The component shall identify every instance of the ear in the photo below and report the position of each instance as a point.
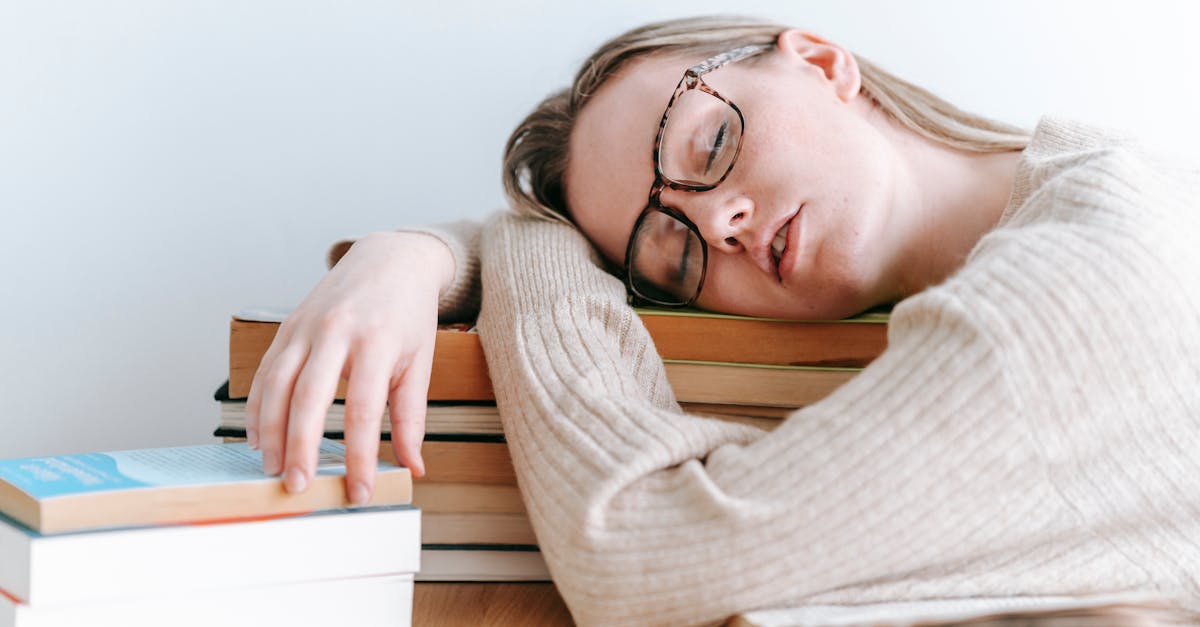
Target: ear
(835, 62)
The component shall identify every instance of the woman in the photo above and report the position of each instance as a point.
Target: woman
(1030, 430)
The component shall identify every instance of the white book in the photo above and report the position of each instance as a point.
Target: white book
(384, 601)
(79, 567)
(482, 563)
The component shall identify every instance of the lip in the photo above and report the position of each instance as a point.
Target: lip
(791, 249)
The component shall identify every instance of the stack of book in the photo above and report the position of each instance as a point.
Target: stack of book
(475, 526)
(199, 536)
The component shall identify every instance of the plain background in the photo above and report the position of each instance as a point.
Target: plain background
(163, 164)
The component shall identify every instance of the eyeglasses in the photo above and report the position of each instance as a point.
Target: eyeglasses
(698, 141)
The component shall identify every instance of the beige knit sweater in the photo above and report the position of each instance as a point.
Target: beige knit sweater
(1033, 427)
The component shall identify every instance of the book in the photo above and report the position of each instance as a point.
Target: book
(467, 498)
(446, 419)
(476, 528)
(695, 335)
(106, 565)
(486, 562)
(382, 601)
(481, 460)
(476, 462)
(440, 419)
(461, 375)
(459, 370)
(173, 485)
(754, 384)
(468, 494)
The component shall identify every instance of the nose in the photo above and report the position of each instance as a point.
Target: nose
(723, 218)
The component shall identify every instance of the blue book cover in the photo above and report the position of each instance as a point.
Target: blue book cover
(63, 475)
(212, 482)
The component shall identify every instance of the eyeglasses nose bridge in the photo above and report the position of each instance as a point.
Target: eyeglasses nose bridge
(656, 192)
(717, 217)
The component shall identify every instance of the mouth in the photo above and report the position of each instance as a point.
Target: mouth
(785, 239)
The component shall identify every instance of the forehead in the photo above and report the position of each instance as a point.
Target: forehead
(610, 163)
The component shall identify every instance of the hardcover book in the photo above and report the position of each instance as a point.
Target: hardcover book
(451, 420)
(810, 358)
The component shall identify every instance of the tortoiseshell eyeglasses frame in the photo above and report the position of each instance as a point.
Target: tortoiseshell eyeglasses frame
(692, 79)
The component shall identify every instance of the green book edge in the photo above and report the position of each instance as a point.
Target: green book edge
(879, 315)
(697, 362)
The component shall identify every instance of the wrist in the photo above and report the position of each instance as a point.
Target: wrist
(420, 250)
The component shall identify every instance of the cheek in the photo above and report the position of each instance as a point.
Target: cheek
(735, 286)
(853, 222)
(835, 285)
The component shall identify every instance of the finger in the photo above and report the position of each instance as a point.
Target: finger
(406, 407)
(366, 395)
(313, 394)
(254, 398)
(278, 381)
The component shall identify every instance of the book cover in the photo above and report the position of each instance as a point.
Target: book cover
(172, 485)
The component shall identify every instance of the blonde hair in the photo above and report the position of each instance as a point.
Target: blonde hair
(535, 157)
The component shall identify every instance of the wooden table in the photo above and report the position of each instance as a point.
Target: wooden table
(490, 604)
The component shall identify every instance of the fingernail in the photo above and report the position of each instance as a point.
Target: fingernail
(418, 468)
(359, 495)
(252, 440)
(270, 462)
(295, 481)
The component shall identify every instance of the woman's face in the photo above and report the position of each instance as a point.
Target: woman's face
(814, 164)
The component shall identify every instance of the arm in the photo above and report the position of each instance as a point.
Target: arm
(459, 300)
(371, 320)
(645, 514)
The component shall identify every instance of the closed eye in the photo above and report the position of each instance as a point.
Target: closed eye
(683, 263)
(718, 143)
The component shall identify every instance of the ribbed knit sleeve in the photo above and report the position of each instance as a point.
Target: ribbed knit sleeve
(1030, 430)
(460, 300)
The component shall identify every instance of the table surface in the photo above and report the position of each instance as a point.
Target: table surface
(487, 604)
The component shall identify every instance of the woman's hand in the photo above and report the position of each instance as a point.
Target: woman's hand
(371, 320)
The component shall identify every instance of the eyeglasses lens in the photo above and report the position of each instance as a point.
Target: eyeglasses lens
(700, 139)
(667, 259)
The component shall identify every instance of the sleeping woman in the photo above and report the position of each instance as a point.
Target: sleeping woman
(1032, 428)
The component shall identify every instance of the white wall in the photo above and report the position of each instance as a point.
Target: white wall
(163, 164)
